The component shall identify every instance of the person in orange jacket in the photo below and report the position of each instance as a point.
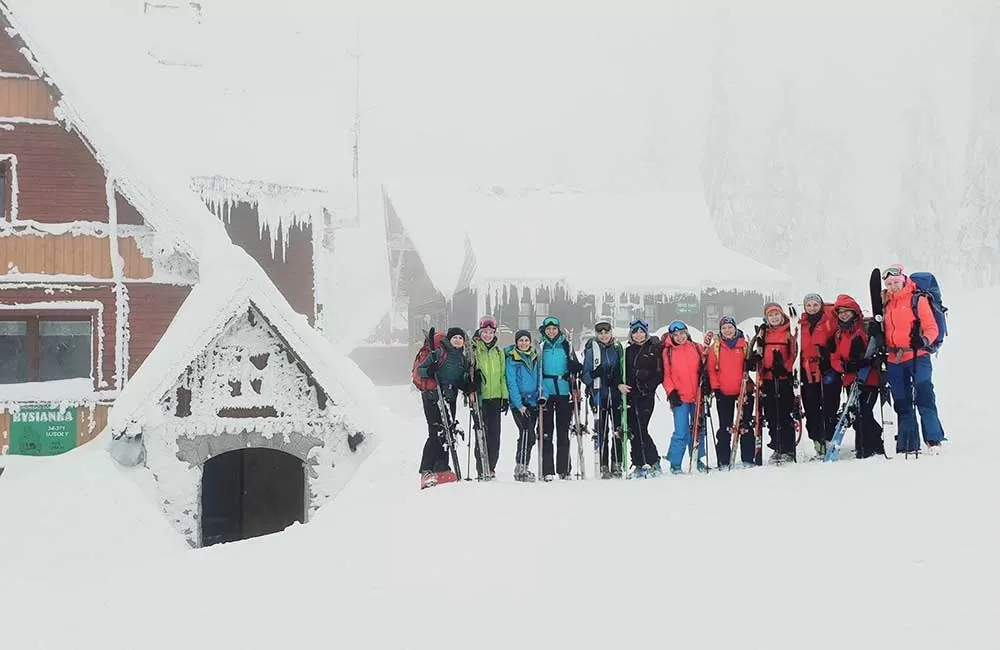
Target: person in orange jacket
(821, 385)
(775, 362)
(908, 366)
(848, 359)
(727, 366)
(683, 361)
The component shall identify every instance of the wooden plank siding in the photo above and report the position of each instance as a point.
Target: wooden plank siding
(90, 421)
(59, 181)
(152, 308)
(20, 97)
(87, 255)
(290, 267)
(11, 59)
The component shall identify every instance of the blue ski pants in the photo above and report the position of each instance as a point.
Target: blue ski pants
(911, 386)
(681, 440)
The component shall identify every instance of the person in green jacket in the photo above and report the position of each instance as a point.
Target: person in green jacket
(490, 388)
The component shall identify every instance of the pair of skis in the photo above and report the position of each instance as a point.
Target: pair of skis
(475, 407)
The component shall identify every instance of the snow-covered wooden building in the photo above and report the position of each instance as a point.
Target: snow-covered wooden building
(578, 255)
(125, 306)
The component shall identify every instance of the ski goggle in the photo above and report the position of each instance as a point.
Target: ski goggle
(676, 326)
(487, 322)
(550, 321)
(891, 272)
(602, 327)
(638, 324)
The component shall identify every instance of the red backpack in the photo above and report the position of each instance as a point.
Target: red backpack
(429, 383)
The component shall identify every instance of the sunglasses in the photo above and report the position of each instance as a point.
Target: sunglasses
(891, 272)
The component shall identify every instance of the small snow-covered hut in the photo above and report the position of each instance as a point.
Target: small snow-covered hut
(579, 255)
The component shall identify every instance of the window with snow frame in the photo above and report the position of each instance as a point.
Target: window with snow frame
(248, 371)
(48, 345)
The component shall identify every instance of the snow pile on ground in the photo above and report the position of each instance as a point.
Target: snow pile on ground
(875, 553)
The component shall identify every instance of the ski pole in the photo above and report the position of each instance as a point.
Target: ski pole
(468, 447)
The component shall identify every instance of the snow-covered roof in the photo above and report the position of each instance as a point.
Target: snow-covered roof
(590, 242)
(232, 283)
(239, 94)
(159, 192)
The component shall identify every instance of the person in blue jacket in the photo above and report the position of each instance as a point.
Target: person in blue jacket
(602, 362)
(522, 389)
(559, 370)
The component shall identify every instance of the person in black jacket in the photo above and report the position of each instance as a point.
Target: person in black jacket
(449, 369)
(602, 374)
(643, 374)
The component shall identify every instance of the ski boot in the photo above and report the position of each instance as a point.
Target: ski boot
(548, 478)
(702, 467)
(523, 475)
(564, 477)
(640, 472)
(616, 472)
(820, 447)
(676, 469)
(605, 473)
(786, 458)
(655, 470)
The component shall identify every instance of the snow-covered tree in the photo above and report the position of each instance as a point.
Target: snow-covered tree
(980, 230)
(924, 216)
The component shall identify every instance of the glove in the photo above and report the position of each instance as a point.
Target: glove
(916, 341)
(830, 377)
(752, 362)
(706, 389)
(718, 395)
(675, 399)
(824, 362)
(778, 368)
(574, 366)
(851, 366)
(504, 406)
(432, 395)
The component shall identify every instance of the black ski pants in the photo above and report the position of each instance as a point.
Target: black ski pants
(526, 427)
(821, 401)
(435, 456)
(557, 415)
(490, 408)
(867, 430)
(607, 424)
(778, 403)
(726, 406)
(642, 449)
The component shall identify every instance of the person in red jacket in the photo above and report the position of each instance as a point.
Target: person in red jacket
(821, 385)
(908, 366)
(848, 359)
(775, 362)
(727, 371)
(683, 360)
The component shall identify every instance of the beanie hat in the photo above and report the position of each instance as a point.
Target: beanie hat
(812, 296)
(773, 306)
(727, 320)
(521, 334)
(487, 322)
(455, 331)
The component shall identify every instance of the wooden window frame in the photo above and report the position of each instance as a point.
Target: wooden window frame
(32, 319)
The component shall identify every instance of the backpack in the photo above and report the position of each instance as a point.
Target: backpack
(927, 286)
(426, 383)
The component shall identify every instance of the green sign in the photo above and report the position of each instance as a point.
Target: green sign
(42, 431)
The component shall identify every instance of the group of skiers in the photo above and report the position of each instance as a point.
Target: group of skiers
(797, 366)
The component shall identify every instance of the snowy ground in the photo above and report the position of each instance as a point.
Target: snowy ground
(894, 554)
